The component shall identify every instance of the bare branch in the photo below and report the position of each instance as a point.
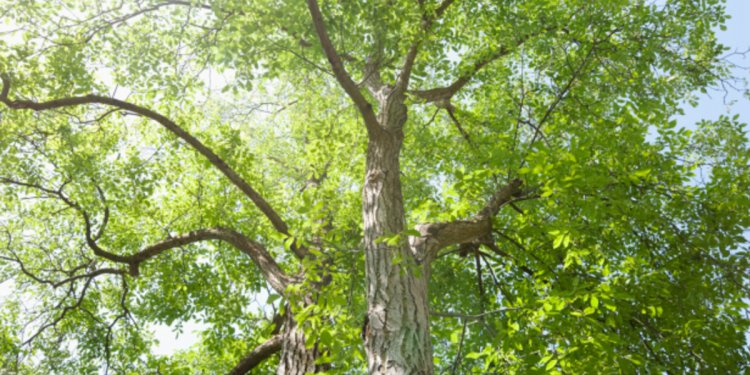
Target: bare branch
(168, 124)
(344, 79)
(258, 355)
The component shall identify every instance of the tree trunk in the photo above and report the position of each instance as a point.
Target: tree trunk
(296, 358)
(397, 336)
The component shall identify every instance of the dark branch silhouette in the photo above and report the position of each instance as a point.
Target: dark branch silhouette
(258, 355)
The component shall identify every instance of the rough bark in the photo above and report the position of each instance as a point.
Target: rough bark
(397, 339)
(296, 357)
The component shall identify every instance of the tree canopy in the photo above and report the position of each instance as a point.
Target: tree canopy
(388, 186)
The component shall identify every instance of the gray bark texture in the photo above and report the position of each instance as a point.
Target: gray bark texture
(296, 358)
(397, 338)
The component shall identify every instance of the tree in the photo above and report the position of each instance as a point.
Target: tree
(298, 176)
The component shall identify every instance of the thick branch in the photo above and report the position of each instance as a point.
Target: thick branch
(258, 355)
(170, 125)
(435, 236)
(501, 197)
(344, 79)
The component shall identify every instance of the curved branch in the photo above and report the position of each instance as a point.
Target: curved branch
(58, 194)
(339, 71)
(276, 277)
(168, 124)
(268, 266)
(70, 279)
(501, 197)
(258, 355)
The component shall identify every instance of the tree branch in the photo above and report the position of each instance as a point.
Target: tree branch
(452, 114)
(57, 284)
(447, 92)
(265, 262)
(339, 71)
(471, 316)
(124, 18)
(268, 266)
(258, 355)
(427, 20)
(435, 236)
(168, 124)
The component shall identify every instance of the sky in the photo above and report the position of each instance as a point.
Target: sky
(714, 104)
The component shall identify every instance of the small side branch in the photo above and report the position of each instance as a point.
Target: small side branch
(452, 113)
(471, 316)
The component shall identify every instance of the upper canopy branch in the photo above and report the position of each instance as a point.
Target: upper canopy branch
(339, 71)
(445, 93)
(411, 56)
(168, 124)
(265, 262)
